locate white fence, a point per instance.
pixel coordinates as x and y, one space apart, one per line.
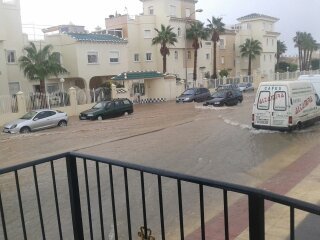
46 100
293 75
8 104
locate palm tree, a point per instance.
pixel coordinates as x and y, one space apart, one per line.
165 37
40 64
196 33
306 46
215 27
298 43
251 48
281 49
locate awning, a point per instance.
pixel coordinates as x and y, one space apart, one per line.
138 75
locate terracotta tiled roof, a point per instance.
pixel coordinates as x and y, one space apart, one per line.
138 75
92 37
256 15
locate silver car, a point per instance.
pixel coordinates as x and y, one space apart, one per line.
37 120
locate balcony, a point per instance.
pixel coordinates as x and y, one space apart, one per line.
78 196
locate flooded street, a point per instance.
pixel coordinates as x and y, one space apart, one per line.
214 143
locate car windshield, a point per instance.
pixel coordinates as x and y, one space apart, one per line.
99 105
29 115
219 94
188 92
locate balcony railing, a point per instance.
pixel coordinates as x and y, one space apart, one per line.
78 196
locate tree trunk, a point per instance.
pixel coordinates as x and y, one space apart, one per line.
249 68
42 86
310 58
214 60
164 62
195 66
300 58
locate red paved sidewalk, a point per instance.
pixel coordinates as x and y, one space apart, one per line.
281 183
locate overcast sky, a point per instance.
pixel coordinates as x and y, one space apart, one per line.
294 15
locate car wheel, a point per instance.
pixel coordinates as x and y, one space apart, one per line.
99 118
62 123
25 130
125 113
300 126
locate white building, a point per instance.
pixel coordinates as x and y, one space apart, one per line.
258 27
11 45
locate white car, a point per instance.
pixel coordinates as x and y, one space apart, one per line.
37 120
245 87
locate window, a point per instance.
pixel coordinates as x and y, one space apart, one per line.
58 57
280 103
11 56
148 57
92 57
270 57
179 32
208 56
114 57
147 33
188 12
222 44
53 87
176 55
222 60
151 10
264 100
267 41
14 87
189 54
207 43
136 57
172 10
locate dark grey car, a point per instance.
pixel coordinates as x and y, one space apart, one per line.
194 95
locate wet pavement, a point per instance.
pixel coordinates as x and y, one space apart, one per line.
215 143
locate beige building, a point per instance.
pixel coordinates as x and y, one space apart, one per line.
92 59
139 30
258 27
11 45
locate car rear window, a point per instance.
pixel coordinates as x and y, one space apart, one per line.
126 102
263 100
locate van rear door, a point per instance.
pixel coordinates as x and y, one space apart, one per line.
263 111
272 106
279 113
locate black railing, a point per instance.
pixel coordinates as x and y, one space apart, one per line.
69 203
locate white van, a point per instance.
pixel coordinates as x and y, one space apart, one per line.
285 105
314 79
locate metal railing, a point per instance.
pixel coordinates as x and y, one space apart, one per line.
86 199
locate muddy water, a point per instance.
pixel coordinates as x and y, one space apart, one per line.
215 143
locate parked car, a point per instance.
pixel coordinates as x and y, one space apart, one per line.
227 86
223 97
37 120
245 87
194 95
107 109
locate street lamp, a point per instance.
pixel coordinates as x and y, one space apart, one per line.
62 81
185 46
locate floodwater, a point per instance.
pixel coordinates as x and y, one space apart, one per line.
213 143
